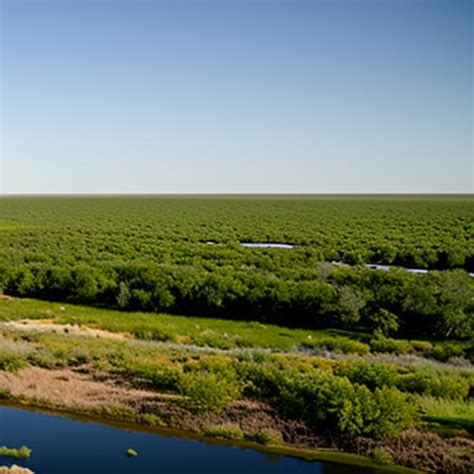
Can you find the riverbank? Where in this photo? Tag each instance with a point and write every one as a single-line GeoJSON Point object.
{"type": "Point", "coordinates": [115, 420]}
{"type": "Point", "coordinates": [312, 402]}
{"type": "Point", "coordinates": [132, 410]}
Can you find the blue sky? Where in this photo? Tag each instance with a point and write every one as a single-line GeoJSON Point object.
{"type": "Point", "coordinates": [119, 96]}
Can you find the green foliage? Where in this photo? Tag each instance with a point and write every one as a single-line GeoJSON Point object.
{"type": "Point", "coordinates": [150, 254]}
{"type": "Point", "coordinates": [381, 456]}
{"type": "Point", "coordinates": [5, 394]}
{"type": "Point", "coordinates": [208, 391]}
{"type": "Point", "coordinates": [449, 411]}
{"type": "Point", "coordinates": [380, 343]}
{"type": "Point", "coordinates": [124, 295]}
{"type": "Point", "coordinates": [391, 413]}
{"type": "Point", "coordinates": [227, 431]}
{"type": "Point", "coordinates": [339, 344]}
{"type": "Point", "coordinates": [12, 362]}
{"type": "Point", "coordinates": [428, 381]}
{"type": "Point", "coordinates": [383, 322]}
{"type": "Point", "coordinates": [369, 374]}
{"type": "Point", "coordinates": [20, 453]}
{"type": "Point", "coordinates": [269, 437]}
{"type": "Point", "coordinates": [455, 300]}
{"type": "Point", "coordinates": [340, 407]}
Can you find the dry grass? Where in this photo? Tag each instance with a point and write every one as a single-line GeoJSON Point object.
{"type": "Point", "coordinates": [67, 388]}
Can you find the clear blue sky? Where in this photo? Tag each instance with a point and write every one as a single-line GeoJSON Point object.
{"type": "Point", "coordinates": [237, 96]}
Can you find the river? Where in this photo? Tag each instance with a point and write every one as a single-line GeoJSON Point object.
{"type": "Point", "coordinates": [64, 445]}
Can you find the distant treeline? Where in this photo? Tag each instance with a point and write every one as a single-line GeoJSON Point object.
{"type": "Point", "coordinates": [439, 304]}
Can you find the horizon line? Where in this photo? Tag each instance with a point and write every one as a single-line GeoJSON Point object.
{"type": "Point", "coordinates": [79, 194]}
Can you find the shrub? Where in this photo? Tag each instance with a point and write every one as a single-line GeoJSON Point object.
{"type": "Point", "coordinates": [227, 431]}
{"type": "Point", "coordinates": [269, 437]}
{"type": "Point", "coordinates": [151, 420]}
{"type": "Point", "coordinates": [425, 347]}
{"type": "Point", "coordinates": [43, 357]}
{"type": "Point", "coordinates": [391, 413]}
{"type": "Point", "coordinates": [5, 394]}
{"type": "Point", "coordinates": [339, 344]}
{"type": "Point", "coordinates": [161, 377]}
{"type": "Point", "coordinates": [369, 374]}
{"type": "Point", "coordinates": [323, 400]}
{"type": "Point", "coordinates": [447, 350]}
{"type": "Point", "coordinates": [385, 344]}
{"type": "Point", "coordinates": [383, 322]}
{"type": "Point", "coordinates": [380, 456]}
{"type": "Point", "coordinates": [20, 453]}
{"type": "Point", "coordinates": [12, 362]}
{"type": "Point", "coordinates": [153, 334]}
{"type": "Point", "coordinates": [208, 391]}
{"type": "Point", "coordinates": [332, 403]}
{"type": "Point", "coordinates": [431, 382]}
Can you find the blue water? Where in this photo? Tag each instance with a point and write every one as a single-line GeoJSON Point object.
{"type": "Point", "coordinates": [66, 446]}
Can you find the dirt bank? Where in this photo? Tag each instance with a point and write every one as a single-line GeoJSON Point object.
{"type": "Point", "coordinates": [79, 392]}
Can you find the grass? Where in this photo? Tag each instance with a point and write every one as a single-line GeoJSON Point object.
{"type": "Point", "coordinates": [455, 413]}
{"type": "Point", "coordinates": [211, 332]}
{"type": "Point", "coordinates": [186, 330]}
{"type": "Point", "coordinates": [227, 431]}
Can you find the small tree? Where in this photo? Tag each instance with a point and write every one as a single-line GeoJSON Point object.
{"type": "Point", "coordinates": [123, 297]}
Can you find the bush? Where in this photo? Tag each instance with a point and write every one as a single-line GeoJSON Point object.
{"type": "Point", "coordinates": [5, 394]}
{"type": "Point", "coordinates": [431, 382]}
{"type": "Point", "coordinates": [43, 357]}
{"type": "Point", "coordinates": [380, 456]}
{"type": "Point", "coordinates": [228, 431]}
{"type": "Point", "coordinates": [20, 453]}
{"type": "Point", "coordinates": [385, 344]}
{"type": "Point", "coordinates": [153, 334]}
{"type": "Point", "coordinates": [161, 377]}
{"type": "Point", "coordinates": [391, 413]}
{"type": "Point", "coordinates": [269, 437]}
{"type": "Point", "coordinates": [424, 347]}
{"type": "Point", "coordinates": [11, 362]}
{"type": "Point", "coordinates": [369, 374]}
{"type": "Point", "coordinates": [334, 404]}
{"type": "Point", "coordinates": [208, 391]}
